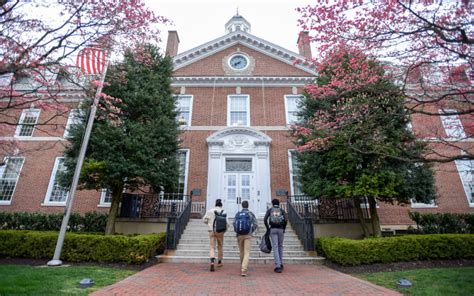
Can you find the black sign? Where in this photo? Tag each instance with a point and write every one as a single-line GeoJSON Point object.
{"type": "Point", "coordinates": [196, 192]}
{"type": "Point", "coordinates": [281, 192]}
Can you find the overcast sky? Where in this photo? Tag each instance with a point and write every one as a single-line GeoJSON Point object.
{"type": "Point", "coordinates": [199, 21]}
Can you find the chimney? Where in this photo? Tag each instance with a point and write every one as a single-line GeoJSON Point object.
{"type": "Point", "coordinates": [172, 44]}
{"type": "Point", "coordinates": [304, 47]}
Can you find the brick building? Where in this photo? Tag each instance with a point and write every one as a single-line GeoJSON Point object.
{"type": "Point", "coordinates": [236, 97]}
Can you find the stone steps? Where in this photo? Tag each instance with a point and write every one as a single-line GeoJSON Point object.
{"type": "Point", "coordinates": [194, 247]}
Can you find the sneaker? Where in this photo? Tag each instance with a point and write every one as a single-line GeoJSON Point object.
{"type": "Point", "coordinates": [243, 273]}
{"type": "Point", "coordinates": [219, 263]}
{"type": "Point", "coordinates": [277, 269]}
{"type": "Point", "coordinates": [282, 267]}
{"type": "Point", "coordinates": [212, 266]}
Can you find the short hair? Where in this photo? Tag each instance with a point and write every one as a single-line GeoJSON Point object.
{"type": "Point", "coordinates": [218, 202]}
{"type": "Point", "coordinates": [275, 202]}
{"type": "Point", "coordinates": [245, 204]}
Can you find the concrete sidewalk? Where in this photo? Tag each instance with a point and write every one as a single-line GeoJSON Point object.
{"type": "Point", "coordinates": [196, 279]}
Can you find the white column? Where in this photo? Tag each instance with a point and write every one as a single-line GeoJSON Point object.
{"type": "Point", "coordinates": [214, 178]}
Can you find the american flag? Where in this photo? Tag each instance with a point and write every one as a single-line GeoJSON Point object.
{"type": "Point", "coordinates": [91, 60]}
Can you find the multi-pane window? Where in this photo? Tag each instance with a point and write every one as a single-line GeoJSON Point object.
{"type": "Point", "coordinates": [9, 173]}
{"type": "Point", "coordinates": [26, 125]}
{"type": "Point", "coordinates": [183, 157]}
{"type": "Point", "coordinates": [466, 172]}
{"type": "Point", "coordinates": [238, 110]}
{"type": "Point", "coordinates": [73, 119]}
{"type": "Point", "coordinates": [105, 197]}
{"type": "Point", "coordinates": [184, 108]}
{"type": "Point", "coordinates": [291, 108]}
{"type": "Point", "coordinates": [295, 176]}
{"type": "Point", "coordinates": [56, 193]}
{"type": "Point", "coordinates": [415, 204]}
{"type": "Point", "coordinates": [452, 125]}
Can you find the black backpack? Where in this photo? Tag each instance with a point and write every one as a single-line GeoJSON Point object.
{"type": "Point", "coordinates": [220, 221]}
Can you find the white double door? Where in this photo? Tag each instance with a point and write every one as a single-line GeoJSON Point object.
{"type": "Point", "coordinates": [238, 186]}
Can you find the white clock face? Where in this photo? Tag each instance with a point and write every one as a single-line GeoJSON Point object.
{"type": "Point", "coordinates": [238, 62]}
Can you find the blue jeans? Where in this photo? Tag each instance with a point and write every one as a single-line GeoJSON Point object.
{"type": "Point", "coordinates": [276, 236]}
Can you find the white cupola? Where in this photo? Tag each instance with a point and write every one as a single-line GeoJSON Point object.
{"type": "Point", "coordinates": [237, 23]}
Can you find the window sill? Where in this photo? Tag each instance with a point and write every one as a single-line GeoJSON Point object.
{"type": "Point", "coordinates": [50, 204]}
{"type": "Point", "coordinates": [103, 205]}
{"type": "Point", "coordinates": [471, 205]}
{"type": "Point", "coordinates": [5, 202]}
{"type": "Point", "coordinates": [423, 206]}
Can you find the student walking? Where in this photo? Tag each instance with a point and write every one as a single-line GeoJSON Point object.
{"type": "Point", "coordinates": [216, 219]}
{"type": "Point", "coordinates": [245, 224]}
{"type": "Point", "coordinates": [275, 219]}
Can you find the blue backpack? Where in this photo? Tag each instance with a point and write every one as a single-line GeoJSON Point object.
{"type": "Point", "coordinates": [243, 223]}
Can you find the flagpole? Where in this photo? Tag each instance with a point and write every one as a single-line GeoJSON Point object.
{"type": "Point", "coordinates": [80, 159]}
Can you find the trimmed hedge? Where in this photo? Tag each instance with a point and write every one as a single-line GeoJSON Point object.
{"type": "Point", "coordinates": [81, 247]}
{"type": "Point", "coordinates": [90, 222]}
{"type": "Point", "coordinates": [393, 249]}
{"type": "Point", "coordinates": [428, 223]}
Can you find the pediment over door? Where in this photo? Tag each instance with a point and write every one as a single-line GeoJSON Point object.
{"type": "Point", "coordinates": [238, 140]}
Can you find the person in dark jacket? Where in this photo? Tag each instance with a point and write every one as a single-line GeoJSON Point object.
{"type": "Point", "coordinates": [276, 220]}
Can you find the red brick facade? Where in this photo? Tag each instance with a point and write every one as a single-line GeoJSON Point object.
{"type": "Point", "coordinates": [206, 79]}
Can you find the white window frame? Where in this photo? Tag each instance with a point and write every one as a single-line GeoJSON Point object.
{"type": "Point", "coordinates": [191, 100]}
{"type": "Point", "coordinates": [287, 97]}
{"type": "Point", "coordinates": [468, 185]}
{"type": "Point", "coordinates": [186, 169]}
{"type": "Point", "coordinates": [52, 180]}
{"type": "Point", "coordinates": [72, 119]}
{"type": "Point", "coordinates": [229, 98]}
{"type": "Point", "coordinates": [22, 119]}
{"type": "Point", "coordinates": [103, 195]}
{"type": "Point", "coordinates": [448, 121]}
{"type": "Point", "coordinates": [290, 168]}
{"type": "Point", "coordinates": [2, 170]}
{"type": "Point", "coordinates": [420, 205]}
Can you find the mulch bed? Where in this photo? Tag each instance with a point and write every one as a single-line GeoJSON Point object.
{"type": "Point", "coordinates": [399, 266]}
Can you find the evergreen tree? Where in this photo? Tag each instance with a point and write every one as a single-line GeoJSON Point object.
{"type": "Point", "coordinates": [354, 142]}
{"type": "Point", "coordinates": [134, 141]}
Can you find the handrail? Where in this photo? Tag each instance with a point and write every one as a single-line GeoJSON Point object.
{"type": "Point", "coordinates": [303, 225]}
{"type": "Point", "coordinates": [151, 205]}
{"type": "Point", "coordinates": [328, 210]}
{"type": "Point", "coordinates": [177, 221]}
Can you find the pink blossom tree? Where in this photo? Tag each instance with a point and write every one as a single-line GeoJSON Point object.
{"type": "Point", "coordinates": [39, 42]}
{"type": "Point", "coordinates": [426, 47]}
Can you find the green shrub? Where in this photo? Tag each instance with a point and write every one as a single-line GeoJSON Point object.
{"type": "Point", "coordinates": [81, 247]}
{"type": "Point", "coordinates": [399, 248]}
{"type": "Point", "coordinates": [90, 222]}
{"type": "Point", "coordinates": [442, 222]}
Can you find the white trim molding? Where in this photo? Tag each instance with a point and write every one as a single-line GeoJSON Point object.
{"type": "Point", "coordinates": [242, 81]}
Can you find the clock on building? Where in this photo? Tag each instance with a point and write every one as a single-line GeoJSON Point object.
{"type": "Point", "coordinates": [238, 62]}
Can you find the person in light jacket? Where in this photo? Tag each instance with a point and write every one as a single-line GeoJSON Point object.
{"type": "Point", "coordinates": [215, 237]}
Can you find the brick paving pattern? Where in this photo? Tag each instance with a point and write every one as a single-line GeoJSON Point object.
{"type": "Point", "coordinates": [195, 279]}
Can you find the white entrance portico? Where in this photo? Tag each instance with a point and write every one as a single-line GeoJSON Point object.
{"type": "Point", "coordinates": [239, 169]}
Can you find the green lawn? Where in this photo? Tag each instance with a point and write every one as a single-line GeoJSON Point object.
{"type": "Point", "coordinates": [30, 280]}
{"type": "Point", "coordinates": [430, 281]}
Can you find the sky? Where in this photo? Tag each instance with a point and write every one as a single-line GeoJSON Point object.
{"type": "Point", "coordinates": [199, 21]}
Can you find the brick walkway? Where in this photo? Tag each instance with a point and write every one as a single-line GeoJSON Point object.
{"type": "Point", "coordinates": [195, 279]}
